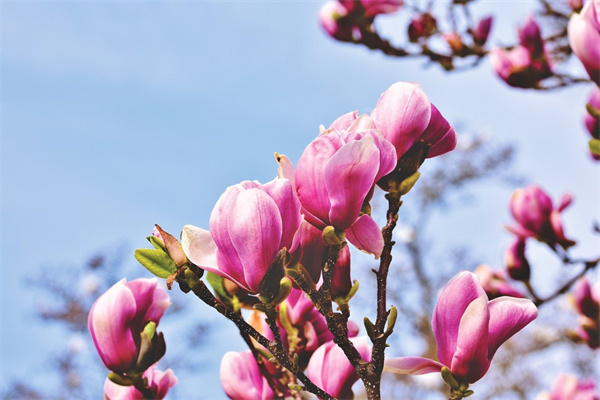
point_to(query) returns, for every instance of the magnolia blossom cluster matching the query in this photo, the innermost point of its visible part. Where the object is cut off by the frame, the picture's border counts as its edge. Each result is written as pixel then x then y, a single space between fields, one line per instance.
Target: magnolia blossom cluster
pixel 271 240
pixel 122 323
pixel 586 299
pixel 526 64
pixel 536 217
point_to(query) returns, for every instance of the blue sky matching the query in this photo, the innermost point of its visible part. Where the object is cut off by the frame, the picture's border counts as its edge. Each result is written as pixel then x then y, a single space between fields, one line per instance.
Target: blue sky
pixel 119 115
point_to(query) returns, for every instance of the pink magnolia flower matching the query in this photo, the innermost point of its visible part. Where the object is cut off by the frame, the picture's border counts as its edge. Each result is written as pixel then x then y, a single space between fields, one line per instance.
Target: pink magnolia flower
pixel 249 225
pixel 536 216
pixel 119 316
pixel 375 7
pixel 336 173
pixel 516 262
pixel 495 283
pixel 584 36
pixel 524 65
pixel 568 387
pixel 158 381
pixel 241 378
pixel 333 19
pixel 329 368
pixel 482 30
pixel 587 303
pixel 468 330
pixel 404 116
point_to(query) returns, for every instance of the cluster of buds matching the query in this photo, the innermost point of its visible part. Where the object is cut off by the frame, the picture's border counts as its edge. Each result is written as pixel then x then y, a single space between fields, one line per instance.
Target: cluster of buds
pixel 586 300
pixel 526 64
pixel 568 387
pixel 123 324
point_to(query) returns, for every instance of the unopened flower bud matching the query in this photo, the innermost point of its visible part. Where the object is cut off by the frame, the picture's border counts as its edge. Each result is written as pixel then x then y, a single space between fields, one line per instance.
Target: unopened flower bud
pixel 516 262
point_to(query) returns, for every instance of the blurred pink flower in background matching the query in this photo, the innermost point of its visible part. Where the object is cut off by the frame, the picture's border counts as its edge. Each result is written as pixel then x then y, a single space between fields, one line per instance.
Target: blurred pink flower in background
pixel 569 387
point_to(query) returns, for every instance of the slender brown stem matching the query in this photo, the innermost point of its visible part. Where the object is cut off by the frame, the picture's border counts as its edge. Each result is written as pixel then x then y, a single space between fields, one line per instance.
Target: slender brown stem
pixel 589 265
pixel 202 292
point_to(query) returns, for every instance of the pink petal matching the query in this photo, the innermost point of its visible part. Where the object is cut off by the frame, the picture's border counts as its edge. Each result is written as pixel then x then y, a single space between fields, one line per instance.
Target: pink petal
pixel 565 201
pixel 255 229
pixel 470 361
pixel 286 170
pixel 508 316
pixel 200 248
pixel 313 249
pixel 344 122
pixel 440 135
pixel 349 176
pixel 241 378
pixel 454 299
pixel 412 365
pixel 150 299
pixel 310 175
pixel 282 193
pixel 110 322
pixel 228 260
pixel 387 152
pixel 112 391
pixel 162 382
pixel 584 35
pixel 402 114
pixel 366 235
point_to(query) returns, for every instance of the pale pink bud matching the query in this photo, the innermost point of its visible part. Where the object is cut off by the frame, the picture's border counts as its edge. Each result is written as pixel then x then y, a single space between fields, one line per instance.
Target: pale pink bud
pixel 482 30
pixel 516 262
pixel 249 225
pixel 495 283
pixel 333 22
pixel 335 174
pixel 119 316
pixel 329 368
pixel 156 233
pixel 159 383
pixel 568 387
pixel 576 5
pixel 584 36
pixel 468 330
pixel 241 378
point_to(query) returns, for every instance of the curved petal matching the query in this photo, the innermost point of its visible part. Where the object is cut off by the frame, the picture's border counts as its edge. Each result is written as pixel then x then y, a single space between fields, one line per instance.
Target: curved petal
pixel 255 229
pixel 150 299
pixel 110 322
pixel 387 152
pixel 508 316
pixel 454 299
pixel 310 175
pixel 112 391
pixel 402 114
pixel 440 135
pixel 282 193
pixel 470 361
pixel 200 248
pixel 349 176
pixel 163 381
pixel 344 122
pixel 285 169
pixel 412 365
pixel 241 378
pixel 366 235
